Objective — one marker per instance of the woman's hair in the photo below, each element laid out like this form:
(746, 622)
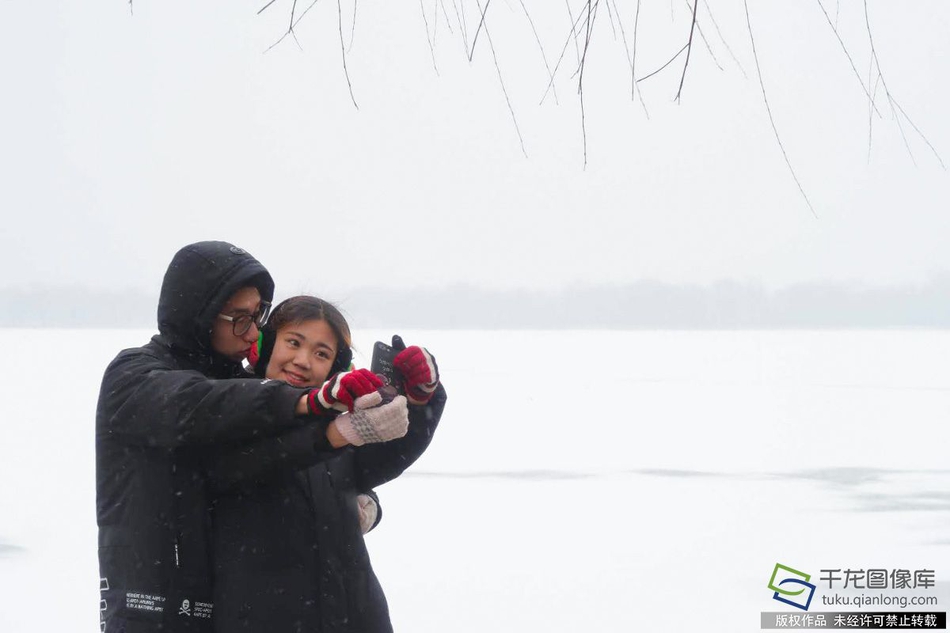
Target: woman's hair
(297, 310)
(306, 308)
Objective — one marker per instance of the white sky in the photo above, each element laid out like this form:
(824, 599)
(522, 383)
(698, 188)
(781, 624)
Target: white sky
(125, 137)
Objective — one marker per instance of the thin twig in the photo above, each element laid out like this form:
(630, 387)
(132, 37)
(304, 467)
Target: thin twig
(540, 46)
(501, 80)
(435, 22)
(672, 59)
(352, 27)
(586, 28)
(921, 134)
(258, 13)
(847, 53)
(462, 26)
(895, 107)
(577, 48)
(633, 61)
(723, 39)
(429, 36)
(630, 59)
(481, 23)
(558, 64)
(290, 31)
(871, 109)
(448, 23)
(292, 9)
(709, 49)
(758, 70)
(591, 18)
(689, 49)
(611, 16)
(346, 72)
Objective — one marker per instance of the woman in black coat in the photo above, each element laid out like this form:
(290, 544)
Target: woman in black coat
(288, 547)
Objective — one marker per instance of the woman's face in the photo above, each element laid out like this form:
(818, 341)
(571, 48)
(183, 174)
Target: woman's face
(303, 354)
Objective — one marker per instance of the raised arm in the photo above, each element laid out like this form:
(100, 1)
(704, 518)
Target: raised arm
(378, 463)
(144, 403)
(254, 461)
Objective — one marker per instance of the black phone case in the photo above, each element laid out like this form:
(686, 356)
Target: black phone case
(382, 363)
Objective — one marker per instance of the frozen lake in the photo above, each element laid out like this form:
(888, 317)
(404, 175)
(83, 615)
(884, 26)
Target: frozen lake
(597, 481)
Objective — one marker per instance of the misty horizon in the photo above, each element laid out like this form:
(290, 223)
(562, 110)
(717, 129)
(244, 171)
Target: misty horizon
(637, 305)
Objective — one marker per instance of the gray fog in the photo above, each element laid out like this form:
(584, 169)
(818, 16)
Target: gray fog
(125, 135)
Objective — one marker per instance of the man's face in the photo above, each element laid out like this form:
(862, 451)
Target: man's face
(246, 301)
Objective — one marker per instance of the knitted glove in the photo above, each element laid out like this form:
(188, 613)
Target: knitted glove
(340, 392)
(419, 372)
(368, 512)
(381, 423)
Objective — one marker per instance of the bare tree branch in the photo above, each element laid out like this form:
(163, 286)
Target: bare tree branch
(671, 60)
(921, 134)
(689, 49)
(591, 18)
(768, 108)
(577, 48)
(491, 45)
(429, 36)
(353, 27)
(847, 54)
(448, 23)
(723, 39)
(633, 61)
(290, 31)
(896, 109)
(610, 15)
(560, 58)
(540, 47)
(481, 23)
(709, 49)
(346, 72)
(463, 27)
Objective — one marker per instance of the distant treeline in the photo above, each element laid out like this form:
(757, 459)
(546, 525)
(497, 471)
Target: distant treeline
(640, 305)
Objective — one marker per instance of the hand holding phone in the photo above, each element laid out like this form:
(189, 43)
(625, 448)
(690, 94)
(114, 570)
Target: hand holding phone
(382, 364)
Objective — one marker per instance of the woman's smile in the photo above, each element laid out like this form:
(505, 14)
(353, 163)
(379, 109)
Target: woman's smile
(296, 379)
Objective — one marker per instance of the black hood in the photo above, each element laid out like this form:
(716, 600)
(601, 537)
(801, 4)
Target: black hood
(198, 282)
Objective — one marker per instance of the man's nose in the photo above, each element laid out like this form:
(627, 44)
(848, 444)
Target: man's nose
(252, 333)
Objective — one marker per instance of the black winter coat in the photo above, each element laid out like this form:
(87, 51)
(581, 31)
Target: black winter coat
(289, 554)
(163, 408)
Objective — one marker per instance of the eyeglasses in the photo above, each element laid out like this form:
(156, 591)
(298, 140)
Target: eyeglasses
(241, 324)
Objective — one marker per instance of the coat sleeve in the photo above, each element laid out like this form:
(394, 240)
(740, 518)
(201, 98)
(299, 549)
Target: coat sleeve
(144, 403)
(379, 509)
(378, 463)
(252, 462)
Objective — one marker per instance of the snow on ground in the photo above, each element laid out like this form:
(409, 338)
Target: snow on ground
(599, 481)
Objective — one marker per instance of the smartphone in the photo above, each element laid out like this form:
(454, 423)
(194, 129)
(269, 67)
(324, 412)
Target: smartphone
(382, 364)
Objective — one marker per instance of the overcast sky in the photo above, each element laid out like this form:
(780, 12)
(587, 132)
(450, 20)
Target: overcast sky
(124, 137)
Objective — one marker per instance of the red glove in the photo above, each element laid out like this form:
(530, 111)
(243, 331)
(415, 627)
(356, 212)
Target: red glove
(419, 372)
(340, 392)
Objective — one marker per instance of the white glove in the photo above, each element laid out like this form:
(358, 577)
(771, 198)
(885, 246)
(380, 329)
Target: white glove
(381, 423)
(368, 511)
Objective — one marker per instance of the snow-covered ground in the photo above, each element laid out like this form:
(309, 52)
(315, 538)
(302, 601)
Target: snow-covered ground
(596, 481)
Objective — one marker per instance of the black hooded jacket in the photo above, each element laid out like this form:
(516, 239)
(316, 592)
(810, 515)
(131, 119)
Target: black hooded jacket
(163, 409)
(289, 554)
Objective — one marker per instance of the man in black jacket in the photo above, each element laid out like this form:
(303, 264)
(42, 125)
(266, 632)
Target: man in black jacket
(163, 409)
